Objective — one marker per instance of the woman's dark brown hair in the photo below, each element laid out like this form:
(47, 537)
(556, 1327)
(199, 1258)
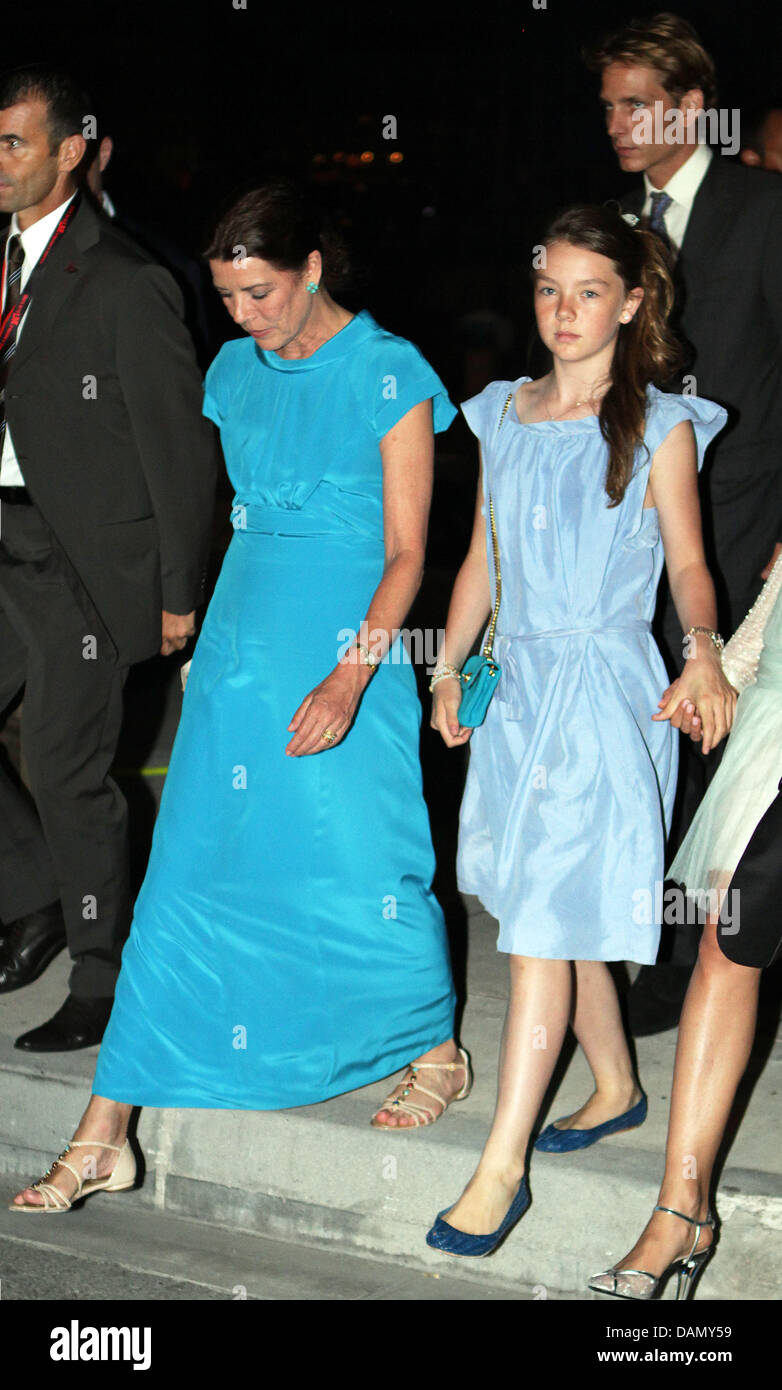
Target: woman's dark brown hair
(646, 349)
(280, 223)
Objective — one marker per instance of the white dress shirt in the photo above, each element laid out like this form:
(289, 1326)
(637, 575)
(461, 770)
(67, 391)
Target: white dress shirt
(681, 187)
(34, 240)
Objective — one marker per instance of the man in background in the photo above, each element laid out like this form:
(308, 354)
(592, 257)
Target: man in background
(761, 139)
(107, 478)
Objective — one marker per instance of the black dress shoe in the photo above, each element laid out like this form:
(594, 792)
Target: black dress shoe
(79, 1023)
(29, 945)
(654, 1002)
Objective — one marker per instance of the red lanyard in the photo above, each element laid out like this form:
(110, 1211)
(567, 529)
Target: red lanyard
(13, 318)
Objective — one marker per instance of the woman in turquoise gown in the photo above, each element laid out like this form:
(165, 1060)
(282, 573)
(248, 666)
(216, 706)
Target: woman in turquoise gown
(286, 945)
(289, 896)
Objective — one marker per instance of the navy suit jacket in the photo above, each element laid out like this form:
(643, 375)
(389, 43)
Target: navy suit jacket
(729, 312)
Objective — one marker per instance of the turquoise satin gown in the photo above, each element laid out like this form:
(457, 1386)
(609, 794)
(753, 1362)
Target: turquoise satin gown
(286, 945)
(571, 784)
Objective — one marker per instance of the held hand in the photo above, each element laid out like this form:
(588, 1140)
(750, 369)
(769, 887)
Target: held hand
(685, 717)
(691, 721)
(177, 628)
(700, 702)
(446, 698)
(329, 708)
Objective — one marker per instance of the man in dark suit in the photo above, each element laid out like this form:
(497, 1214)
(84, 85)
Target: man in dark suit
(107, 478)
(722, 223)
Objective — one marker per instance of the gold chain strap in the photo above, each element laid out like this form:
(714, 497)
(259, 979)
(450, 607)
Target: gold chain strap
(489, 643)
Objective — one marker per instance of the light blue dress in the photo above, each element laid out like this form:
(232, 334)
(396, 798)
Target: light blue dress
(570, 785)
(286, 945)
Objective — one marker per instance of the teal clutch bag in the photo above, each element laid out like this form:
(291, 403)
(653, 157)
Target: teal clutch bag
(480, 674)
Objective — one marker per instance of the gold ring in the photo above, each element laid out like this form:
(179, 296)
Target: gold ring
(328, 736)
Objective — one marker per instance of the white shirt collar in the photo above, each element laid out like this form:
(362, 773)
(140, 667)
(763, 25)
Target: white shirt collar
(684, 184)
(35, 237)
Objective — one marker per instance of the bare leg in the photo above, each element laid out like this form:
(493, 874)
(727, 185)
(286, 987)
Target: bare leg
(715, 1040)
(535, 1024)
(446, 1084)
(105, 1120)
(597, 1024)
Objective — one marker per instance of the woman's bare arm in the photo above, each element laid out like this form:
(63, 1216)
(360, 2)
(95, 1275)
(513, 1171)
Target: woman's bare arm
(407, 451)
(701, 688)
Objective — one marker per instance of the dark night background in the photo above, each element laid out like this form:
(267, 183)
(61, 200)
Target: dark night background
(498, 125)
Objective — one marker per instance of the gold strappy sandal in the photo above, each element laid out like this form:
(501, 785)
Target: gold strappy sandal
(421, 1113)
(121, 1177)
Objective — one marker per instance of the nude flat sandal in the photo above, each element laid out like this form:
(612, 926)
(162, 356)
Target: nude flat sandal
(421, 1113)
(121, 1177)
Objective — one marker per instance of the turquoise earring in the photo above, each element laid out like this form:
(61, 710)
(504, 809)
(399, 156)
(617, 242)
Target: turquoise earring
(312, 287)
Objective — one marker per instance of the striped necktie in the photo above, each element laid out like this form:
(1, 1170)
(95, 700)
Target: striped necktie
(660, 205)
(13, 288)
(14, 263)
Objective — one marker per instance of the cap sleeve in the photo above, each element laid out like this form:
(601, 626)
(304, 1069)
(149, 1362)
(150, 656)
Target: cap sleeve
(214, 404)
(666, 410)
(482, 412)
(398, 377)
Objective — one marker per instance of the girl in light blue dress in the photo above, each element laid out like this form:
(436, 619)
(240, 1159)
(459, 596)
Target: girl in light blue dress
(592, 474)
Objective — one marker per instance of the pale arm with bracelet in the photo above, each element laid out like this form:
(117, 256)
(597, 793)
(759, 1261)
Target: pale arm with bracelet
(700, 701)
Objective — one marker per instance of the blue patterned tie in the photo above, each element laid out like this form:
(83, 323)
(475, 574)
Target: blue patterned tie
(13, 286)
(660, 205)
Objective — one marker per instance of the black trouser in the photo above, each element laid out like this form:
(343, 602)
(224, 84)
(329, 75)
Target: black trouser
(76, 849)
(753, 935)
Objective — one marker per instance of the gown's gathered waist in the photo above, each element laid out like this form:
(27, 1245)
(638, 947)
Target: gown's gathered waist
(263, 518)
(633, 625)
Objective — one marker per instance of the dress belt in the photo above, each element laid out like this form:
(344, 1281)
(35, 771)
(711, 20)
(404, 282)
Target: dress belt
(638, 625)
(255, 516)
(260, 518)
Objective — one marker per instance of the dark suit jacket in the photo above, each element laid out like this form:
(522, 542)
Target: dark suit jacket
(191, 277)
(103, 401)
(729, 312)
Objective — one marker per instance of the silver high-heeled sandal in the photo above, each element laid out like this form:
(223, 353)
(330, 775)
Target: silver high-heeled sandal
(690, 1266)
(121, 1177)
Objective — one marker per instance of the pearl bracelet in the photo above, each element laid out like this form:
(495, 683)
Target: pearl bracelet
(368, 658)
(442, 673)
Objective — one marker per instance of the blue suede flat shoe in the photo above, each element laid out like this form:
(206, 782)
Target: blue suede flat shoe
(563, 1141)
(453, 1242)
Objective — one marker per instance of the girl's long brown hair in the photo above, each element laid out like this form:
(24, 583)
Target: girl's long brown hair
(646, 350)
